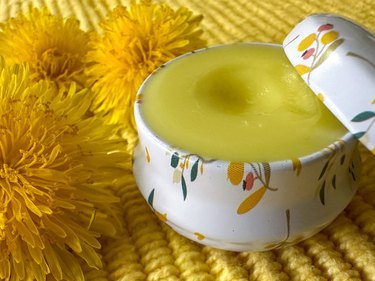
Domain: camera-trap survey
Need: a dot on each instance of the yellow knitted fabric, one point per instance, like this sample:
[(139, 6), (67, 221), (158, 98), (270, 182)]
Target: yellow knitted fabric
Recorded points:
[(150, 250)]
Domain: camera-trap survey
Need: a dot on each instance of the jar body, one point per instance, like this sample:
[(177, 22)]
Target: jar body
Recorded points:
[(246, 206)]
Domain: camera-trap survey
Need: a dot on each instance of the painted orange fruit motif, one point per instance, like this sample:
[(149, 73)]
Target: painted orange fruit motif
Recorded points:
[(258, 179), (329, 37), (251, 201), (302, 69), (236, 172), (317, 47), (306, 42), (199, 236)]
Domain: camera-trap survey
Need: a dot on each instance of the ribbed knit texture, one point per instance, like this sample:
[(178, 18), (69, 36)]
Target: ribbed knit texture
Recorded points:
[(150, 250)]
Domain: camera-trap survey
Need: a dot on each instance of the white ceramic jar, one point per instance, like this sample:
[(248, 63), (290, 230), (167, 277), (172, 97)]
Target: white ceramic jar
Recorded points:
[(244, 206), (205, 201)]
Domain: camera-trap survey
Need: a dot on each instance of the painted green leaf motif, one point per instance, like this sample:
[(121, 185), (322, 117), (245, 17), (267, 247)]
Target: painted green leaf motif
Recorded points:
[(183, 185), (287, 213), (334, 182), (360, 57), (267, 172), (359, 134), (194, 171), (342, 160), (353, 175), (328, 52), (323, 171), (150, 199), (363, 116), (174, 160), (322, 194)]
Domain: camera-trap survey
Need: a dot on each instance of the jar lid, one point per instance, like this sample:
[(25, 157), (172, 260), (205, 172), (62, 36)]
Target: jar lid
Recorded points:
[(336, 58)]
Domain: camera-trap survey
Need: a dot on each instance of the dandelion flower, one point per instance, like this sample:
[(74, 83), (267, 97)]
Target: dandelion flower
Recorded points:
[(135, 42), (52, 46), (57, 168)]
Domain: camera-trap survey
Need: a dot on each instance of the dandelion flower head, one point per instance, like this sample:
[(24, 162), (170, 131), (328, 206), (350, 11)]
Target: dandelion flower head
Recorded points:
[(135, 41), (54, 47), (57, 167)]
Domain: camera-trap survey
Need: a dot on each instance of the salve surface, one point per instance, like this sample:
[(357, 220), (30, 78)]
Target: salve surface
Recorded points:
[(241, 102)]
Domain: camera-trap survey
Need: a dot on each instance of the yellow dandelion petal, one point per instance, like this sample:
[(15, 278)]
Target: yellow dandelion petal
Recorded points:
[(136, 40), (54, 47), (57, 166)]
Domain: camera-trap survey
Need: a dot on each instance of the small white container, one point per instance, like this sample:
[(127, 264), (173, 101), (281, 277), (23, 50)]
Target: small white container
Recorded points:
[(208, 201), (296, 199)]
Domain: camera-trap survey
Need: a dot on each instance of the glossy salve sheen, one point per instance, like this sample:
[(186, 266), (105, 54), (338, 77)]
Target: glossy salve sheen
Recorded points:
[(243, 205)]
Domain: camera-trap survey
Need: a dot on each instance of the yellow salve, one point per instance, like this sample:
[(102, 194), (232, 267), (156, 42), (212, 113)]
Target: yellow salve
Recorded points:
[(241, 102)]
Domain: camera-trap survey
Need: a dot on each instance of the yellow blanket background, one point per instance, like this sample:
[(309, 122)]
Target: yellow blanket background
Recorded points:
[(149, 250)]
